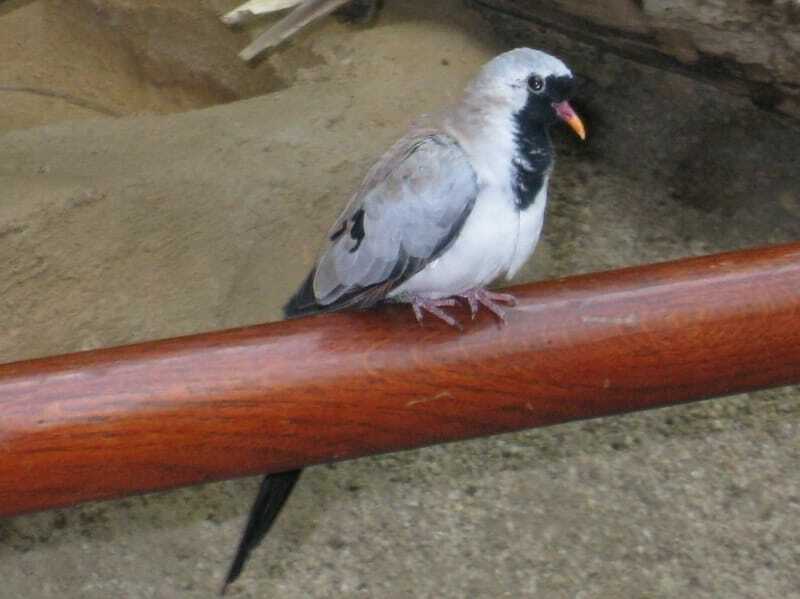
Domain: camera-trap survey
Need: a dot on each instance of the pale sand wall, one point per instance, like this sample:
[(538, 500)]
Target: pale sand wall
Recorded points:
[(113, 231)]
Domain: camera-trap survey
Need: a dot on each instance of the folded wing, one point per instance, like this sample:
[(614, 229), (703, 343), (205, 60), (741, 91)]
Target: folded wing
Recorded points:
[(409, 210)]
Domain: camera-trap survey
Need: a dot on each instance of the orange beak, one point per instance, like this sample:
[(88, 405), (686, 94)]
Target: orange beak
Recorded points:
[(568, 115)]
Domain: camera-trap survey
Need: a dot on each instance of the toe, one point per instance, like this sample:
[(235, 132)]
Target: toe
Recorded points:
[(506, 298), (441, 314), (417, 313)]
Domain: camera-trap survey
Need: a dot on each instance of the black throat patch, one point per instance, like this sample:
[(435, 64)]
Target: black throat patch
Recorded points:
[(533, 153)]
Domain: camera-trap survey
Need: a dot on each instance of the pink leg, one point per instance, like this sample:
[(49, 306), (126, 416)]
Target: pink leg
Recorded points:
[(489, 299), (434, 306)]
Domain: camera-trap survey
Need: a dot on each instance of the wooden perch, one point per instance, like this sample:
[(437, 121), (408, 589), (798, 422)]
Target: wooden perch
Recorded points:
[(113, 422)]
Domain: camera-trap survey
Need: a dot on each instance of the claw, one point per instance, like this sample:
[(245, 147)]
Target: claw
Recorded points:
[(434, 306), (489, 299), (474, 306)]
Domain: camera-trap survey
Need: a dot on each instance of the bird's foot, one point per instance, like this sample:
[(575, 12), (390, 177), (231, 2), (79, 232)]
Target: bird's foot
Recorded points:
[(434, 306), (360, 12), (490, 300)]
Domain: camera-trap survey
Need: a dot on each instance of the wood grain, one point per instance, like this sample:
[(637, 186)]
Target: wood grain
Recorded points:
[(108, 423)]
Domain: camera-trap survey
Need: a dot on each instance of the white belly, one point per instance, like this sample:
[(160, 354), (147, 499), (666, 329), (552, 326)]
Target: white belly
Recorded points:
[(530, 229), (496, 240)]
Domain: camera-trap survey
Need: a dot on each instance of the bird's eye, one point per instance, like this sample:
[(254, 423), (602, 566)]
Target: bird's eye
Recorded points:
[(535, 83)]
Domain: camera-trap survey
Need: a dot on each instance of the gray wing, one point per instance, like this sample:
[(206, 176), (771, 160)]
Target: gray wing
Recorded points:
[(411, 206)]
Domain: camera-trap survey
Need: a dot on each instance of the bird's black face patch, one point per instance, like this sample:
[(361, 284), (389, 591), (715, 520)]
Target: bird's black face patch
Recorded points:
[(538, 109), (560, 88), (534, 153)]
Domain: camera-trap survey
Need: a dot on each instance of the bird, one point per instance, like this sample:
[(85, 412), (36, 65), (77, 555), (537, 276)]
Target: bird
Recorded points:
[(452, 206), (303, 13)]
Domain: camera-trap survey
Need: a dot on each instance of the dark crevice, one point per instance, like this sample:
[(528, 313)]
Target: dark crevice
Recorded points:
[(643, 48)]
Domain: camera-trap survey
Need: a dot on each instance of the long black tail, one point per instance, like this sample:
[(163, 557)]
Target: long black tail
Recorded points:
[(275, 490)]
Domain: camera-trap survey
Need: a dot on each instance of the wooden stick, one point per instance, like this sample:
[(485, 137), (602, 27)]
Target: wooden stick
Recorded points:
[(113, 422)]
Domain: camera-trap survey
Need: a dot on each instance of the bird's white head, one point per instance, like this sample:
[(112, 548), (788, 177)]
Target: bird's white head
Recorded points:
[(530, 85)]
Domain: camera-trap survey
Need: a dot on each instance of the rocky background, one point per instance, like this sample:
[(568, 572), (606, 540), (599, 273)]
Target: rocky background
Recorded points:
[(151, 185), (708, 92), (750, 48)]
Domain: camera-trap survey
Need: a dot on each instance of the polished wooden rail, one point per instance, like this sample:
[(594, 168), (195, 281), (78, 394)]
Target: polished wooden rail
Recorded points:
[(112, 422)]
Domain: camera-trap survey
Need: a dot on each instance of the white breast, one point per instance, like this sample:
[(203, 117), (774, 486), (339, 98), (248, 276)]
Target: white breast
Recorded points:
[(530, 229), (496, 240)]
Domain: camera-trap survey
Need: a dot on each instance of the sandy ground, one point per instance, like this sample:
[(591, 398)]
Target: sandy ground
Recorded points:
[(114, 230)]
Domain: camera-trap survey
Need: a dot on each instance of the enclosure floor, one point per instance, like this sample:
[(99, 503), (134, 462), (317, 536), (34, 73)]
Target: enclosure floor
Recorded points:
[(115, 230)]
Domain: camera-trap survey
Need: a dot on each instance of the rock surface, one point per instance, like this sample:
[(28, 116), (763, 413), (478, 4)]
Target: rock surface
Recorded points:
[(702, 132), (144, 227), (752, 48)]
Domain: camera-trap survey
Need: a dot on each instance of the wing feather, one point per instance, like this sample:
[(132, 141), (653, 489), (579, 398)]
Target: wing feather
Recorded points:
[(410, 207)]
